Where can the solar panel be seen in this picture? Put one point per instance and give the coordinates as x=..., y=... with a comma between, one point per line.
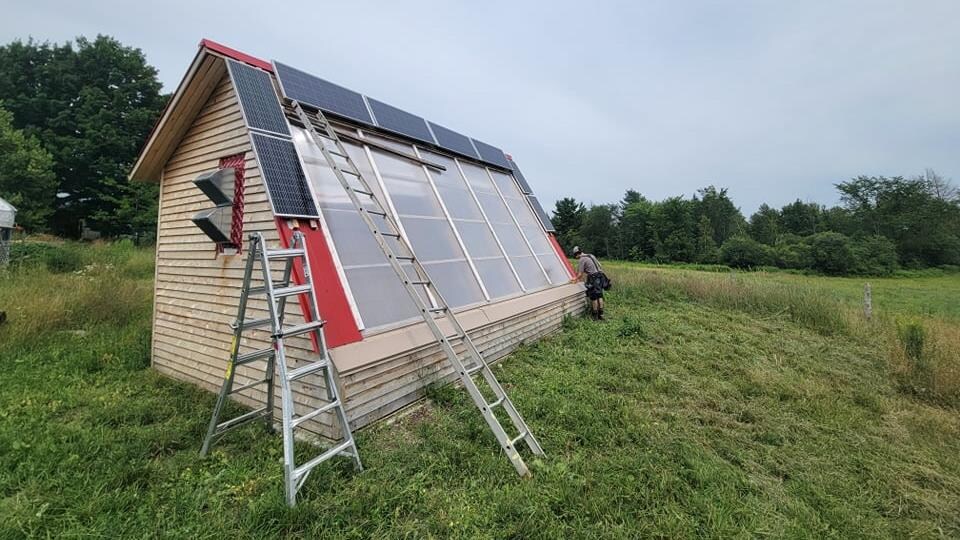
x=542, y=214
x=399, y=120
x=322, y=94
x=524, y=186
x=258, y=99
x=286, y=184
x=453, y=141
x=491, y=154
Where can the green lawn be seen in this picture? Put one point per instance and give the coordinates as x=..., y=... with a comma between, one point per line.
x=676, y=418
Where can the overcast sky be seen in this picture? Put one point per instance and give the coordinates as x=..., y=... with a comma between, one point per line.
x=773, y=100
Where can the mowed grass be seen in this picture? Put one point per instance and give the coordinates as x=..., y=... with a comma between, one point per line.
x=695, y=411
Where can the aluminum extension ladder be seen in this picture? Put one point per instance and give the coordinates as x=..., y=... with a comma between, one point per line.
x=322, y=133
x=276, y=293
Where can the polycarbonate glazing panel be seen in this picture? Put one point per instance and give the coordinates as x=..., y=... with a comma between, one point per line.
x=450, y=177
x=530, y=273
x=541, y=214
x=497, y=277
x=393, y=167
x=353, y=240
x=538, y=239
x=523, y=213
x=511, y=240
x=329, y=192
x=491, y=154
x=431, y=239
x=459, y=203
x=322, y=94
x=524, y=186
x=283, y=176
x=556, y=270
x=413, y=198
x=261, y=108
x=456, y=282
x=453, y=141
x=389, y=143
x=399, y=120
x=380, y=296
x=494, y=208
x=506, y=184
x=477, y=176
x=478, y=239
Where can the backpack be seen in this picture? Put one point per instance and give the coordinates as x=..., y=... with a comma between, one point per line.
x=602, y=280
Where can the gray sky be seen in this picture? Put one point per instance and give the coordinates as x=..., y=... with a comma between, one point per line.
x=774, y=100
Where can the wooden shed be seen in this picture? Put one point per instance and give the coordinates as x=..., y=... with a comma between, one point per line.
x=475, y=225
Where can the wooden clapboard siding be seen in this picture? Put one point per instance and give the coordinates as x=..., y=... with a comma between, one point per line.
x=197, y=290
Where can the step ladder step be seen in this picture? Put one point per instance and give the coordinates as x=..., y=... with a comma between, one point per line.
x=306, y=467
x=242, y=419
x=253, y=356
x=301, y=329
x=248, y=386
x=313, y=414
x=255, y=323
x=303, y=371
x=290, y=291
x=284, y=253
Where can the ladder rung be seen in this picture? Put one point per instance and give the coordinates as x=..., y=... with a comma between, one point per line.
x=438, y=309
x=256, y=323
x=374, y=212
x=305, y=468
x=403, y=257
x=338, y=154
x=253, y=356
x=419, y=282
x=308, y=369
x=518, y=438
x=301, y=419
x=284, y=253
x=242, y=419
x=301, y=329
x=362, y=192
x=350, y=172
x=290, y=291
x=248, y=385
x=497, y=403
x=390, y=234
x=475, y=368
x=256, y=290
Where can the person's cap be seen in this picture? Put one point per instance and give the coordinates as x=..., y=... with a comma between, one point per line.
x=576, y=250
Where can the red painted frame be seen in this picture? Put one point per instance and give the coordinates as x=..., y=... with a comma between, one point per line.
x=563, y=256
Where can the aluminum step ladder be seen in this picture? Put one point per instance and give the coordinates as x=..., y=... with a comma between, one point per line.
x=387, y=234
x=276, y=294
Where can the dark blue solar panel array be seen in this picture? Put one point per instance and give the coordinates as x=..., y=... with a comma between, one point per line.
x=258, y=98
x=541, y=213
x=524, y=186
x=491, y=154
x=453, y=141
x=322, y=94
x=399, y=120
x=286, y=183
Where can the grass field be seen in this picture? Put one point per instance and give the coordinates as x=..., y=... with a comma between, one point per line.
x=707, y=406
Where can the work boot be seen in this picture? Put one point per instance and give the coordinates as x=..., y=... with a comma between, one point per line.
x=600, y=315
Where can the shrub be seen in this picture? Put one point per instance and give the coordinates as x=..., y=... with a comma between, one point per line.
x=875, y=255
x=923, y=354
x=792, y=252
x=62, y=260
x=831, y=253
x=745, y=252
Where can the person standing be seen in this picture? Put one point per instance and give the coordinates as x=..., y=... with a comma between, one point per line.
x=589, y=271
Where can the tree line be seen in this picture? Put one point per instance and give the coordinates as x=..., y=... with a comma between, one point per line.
x=882, y=224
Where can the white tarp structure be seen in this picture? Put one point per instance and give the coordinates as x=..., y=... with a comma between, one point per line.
x=8, y=216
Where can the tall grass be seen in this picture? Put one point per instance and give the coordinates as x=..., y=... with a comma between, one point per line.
x=923, y=353
x=74, y=288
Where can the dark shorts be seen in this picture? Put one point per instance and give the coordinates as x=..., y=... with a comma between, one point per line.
x=594, y=290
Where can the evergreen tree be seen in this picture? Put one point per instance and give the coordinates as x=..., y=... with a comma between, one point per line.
x=567, y=219
x=705, y=248
x=800, y=218
x=725, y=218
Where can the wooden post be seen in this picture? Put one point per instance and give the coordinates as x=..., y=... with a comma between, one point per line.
x=867, y=302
